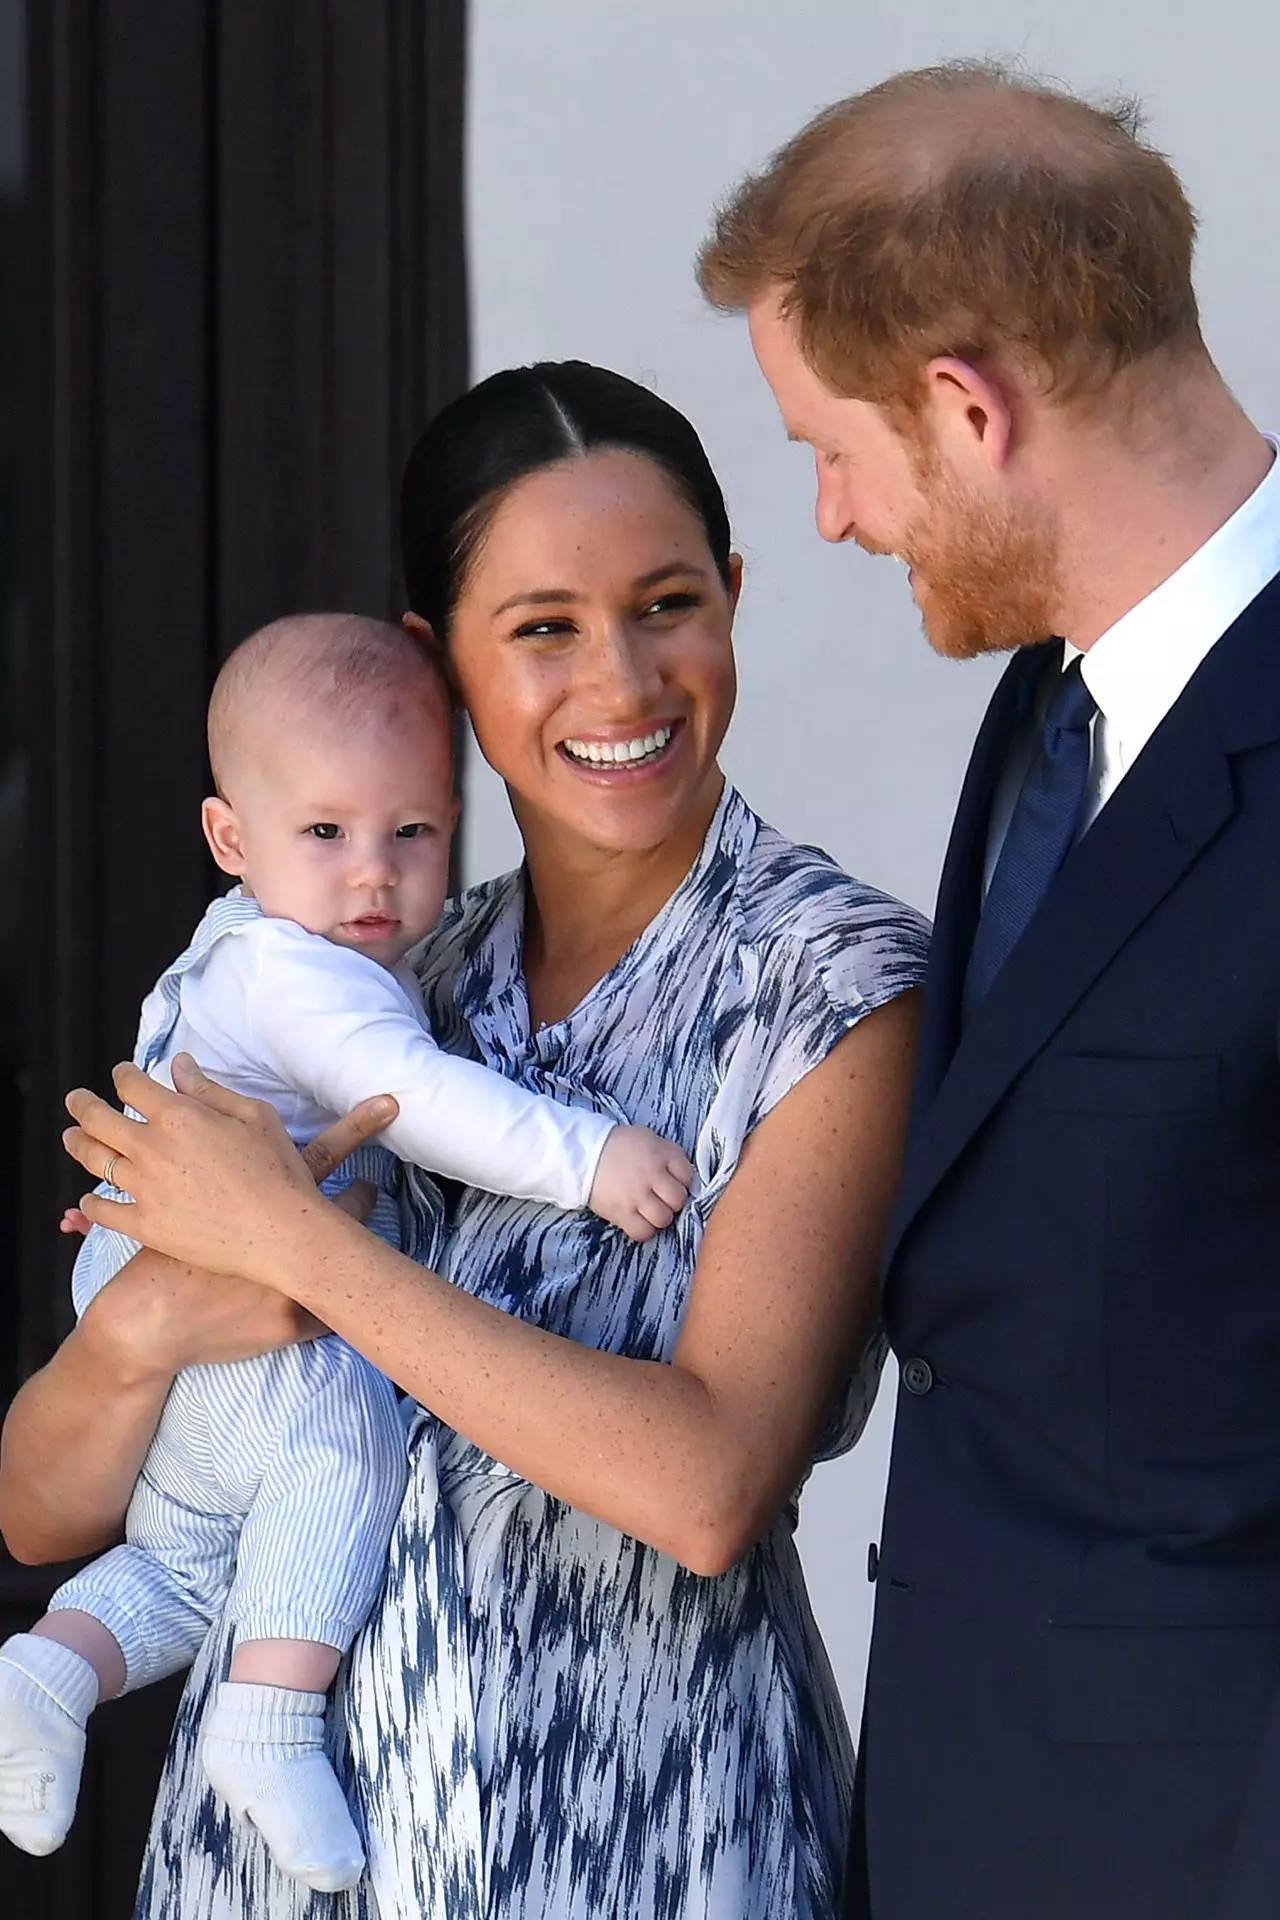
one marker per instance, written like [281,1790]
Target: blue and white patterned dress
[546,1719]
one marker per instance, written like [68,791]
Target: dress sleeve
[338,1027]
[823,979]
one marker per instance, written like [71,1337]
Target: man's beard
[987,581]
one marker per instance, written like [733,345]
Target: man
[973,298]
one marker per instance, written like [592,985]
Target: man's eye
[413,831]
[324,830]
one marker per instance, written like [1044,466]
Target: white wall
[600,135]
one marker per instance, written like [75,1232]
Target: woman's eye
[543,629]
[324,830]
[671,603]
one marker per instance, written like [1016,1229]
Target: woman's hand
[159,1314]
[215,1178]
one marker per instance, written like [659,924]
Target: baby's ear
[222,831]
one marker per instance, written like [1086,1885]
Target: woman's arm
[78,1431]
[696,1458]
[74,1440]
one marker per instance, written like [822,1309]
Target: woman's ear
[420,629]
[425,634]
[735,581]
[222,831]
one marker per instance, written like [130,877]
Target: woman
[593,1684]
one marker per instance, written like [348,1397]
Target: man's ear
[971,413]
[222,831]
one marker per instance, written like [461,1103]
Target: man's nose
[833,509]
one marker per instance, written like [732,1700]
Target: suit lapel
[960,888]
[1166,812]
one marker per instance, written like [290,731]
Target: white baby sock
[47,1693]
[264,1753]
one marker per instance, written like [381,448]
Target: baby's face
[347,831]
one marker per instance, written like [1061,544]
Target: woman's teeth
[606,753]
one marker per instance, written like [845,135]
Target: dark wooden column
[249,295]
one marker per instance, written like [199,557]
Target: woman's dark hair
[510,426]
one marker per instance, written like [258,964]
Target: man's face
[982,565]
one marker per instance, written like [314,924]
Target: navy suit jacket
[1073,1706]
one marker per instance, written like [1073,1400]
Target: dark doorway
[15,652]
[232,289]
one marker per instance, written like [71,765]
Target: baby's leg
[136,1614]
[312,1557]
[264,1752]
[48,1689]
[94,1642]
[305,1665]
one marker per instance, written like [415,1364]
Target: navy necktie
[1040,833]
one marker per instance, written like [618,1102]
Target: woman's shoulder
[818,950]
[469,916]
[796,895]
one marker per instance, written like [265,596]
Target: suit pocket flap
[1129,1084]
[1159,1685]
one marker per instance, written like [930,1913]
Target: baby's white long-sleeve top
[284,1015]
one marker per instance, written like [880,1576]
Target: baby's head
[330,742]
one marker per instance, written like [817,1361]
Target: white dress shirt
[1138,668]
[286,1016]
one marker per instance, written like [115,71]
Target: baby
[272,1485]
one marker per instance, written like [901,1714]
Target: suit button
[917,1375]
[873,1562]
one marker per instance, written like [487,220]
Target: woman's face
[592,648]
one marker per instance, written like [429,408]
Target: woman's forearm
[642,1445]
[78,1432]
[72,1447]
[695,1457]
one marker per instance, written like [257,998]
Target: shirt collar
[1137,669]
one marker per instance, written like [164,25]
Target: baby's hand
[73,1221]
[641,1183]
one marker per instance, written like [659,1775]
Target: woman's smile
[624,756]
